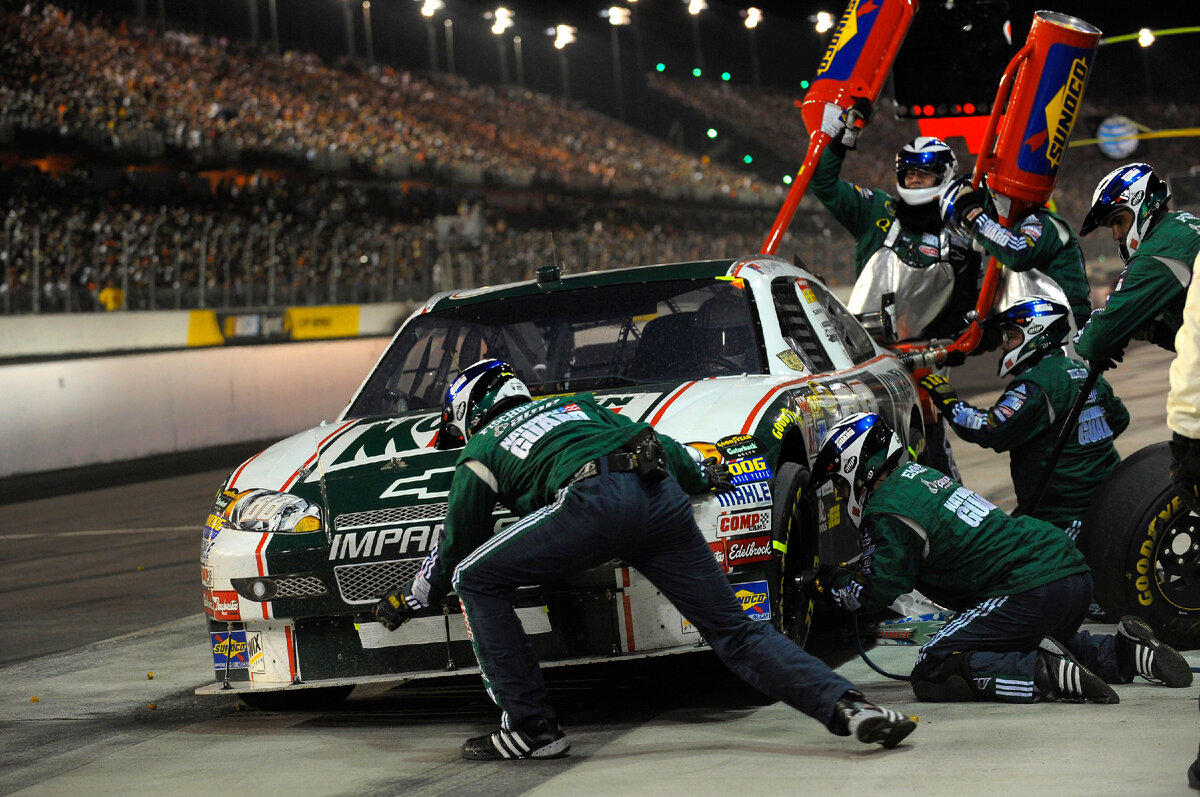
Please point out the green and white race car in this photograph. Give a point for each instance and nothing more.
(749, 359)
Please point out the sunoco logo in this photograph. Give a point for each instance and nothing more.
(847, 29)
(1062, 110)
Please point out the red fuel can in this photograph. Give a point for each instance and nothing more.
(1042, 90)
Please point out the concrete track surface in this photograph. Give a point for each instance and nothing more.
(102, 644)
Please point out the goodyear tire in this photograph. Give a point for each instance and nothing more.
(794, 526)
(1143, 546)
(315, 699)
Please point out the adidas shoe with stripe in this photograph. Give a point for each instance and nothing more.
(537, 738)
(1059, 676)
(1140, 653)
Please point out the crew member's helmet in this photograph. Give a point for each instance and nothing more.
(857, 449)
(926, 154)
(480, 393)
(1044, 325)
(1133, 187)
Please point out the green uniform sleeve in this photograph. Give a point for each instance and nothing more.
(849, 205)
(683, 467)
(1114, 409)
(1145, 288)
(1018, 416)
(888, 568)
(1033, 245)
(468, 524)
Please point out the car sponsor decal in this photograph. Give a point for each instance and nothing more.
(742, 522)
(754, 598)
(731, 552)
(749, 470)
(230, 650)
(222, 604)
(751, 494)
(792, 360)
(737, 446)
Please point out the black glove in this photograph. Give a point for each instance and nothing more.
(954, 358)
(940, 391)
(1185, 469)
(397, 607)
(1107, 362)
(717, 474)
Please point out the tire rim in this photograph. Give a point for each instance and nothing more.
(1177, 563)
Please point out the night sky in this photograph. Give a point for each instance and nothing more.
(788, 48)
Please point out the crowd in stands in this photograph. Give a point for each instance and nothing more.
(120, 88)
(608, 196)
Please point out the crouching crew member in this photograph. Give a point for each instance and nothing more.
(591, 486)
(1019, 585)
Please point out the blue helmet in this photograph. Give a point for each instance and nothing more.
(480, 393)
(1044, 324)
(926, 154)
(1133, 187)
(857, 449)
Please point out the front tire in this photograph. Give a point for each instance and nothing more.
(793, 518)
(1143, 546)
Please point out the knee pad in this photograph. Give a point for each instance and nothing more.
(945, 680)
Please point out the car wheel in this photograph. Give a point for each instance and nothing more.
(317, 698)
(793, 519)
(1143, 546)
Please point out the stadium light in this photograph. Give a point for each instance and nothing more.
(428, 9)
(694, 8)
(823, 21)
(753, 17)
(563, 35)
(502, 20)
(1145, 37)
(367, 31)
(617, 17)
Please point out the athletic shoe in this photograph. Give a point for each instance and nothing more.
(869, 723)
(538, 738)
(1139, 652)
(1057, 675)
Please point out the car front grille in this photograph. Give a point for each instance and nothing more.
(367, 583)
(299, 587)
(390, 516)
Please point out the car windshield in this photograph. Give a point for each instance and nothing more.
(576, 340)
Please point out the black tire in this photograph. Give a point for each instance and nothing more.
(315, 699)
(794, 524)
(1143, 546)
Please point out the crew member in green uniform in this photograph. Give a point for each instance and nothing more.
(1019, 586)
(1040, 240)
(591, 486)
(1025, 420)
(901, 246)
(1158, 246)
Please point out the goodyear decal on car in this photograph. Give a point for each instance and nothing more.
(736, 446)
(754, 599)
(749, 470)
(1059, 94)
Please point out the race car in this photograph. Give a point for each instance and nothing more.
(749, 360)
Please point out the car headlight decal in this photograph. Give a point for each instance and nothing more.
(272, 511)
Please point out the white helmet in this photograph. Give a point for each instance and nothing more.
(926, 154)
(1044, 324)
(856, 450)
(480, 393)
(1134, 187)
